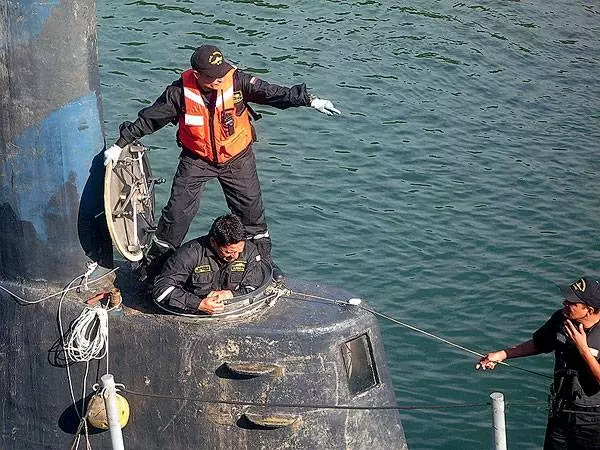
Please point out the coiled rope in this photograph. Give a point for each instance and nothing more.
(87, 339)
(272, 294)
(88, 335)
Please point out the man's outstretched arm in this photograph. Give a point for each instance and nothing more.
(489, 361)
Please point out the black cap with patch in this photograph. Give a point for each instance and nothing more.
(210, 62)
(585, 290)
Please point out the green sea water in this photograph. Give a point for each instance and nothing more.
(458, 187)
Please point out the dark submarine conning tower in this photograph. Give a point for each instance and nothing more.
(295, 370)
(289, 373)
(285, 373)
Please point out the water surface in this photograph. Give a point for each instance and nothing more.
(459, 185)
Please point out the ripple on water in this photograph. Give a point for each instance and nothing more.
(458, 186)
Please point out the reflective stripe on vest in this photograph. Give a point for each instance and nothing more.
(214, 144)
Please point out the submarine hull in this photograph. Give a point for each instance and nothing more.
(51, 212)
(298, 373)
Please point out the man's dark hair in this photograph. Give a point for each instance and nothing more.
(227, 229)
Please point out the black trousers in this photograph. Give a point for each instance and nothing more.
(568, 432)
(240, 184)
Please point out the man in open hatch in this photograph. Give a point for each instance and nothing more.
(210, 105)
(573, 334)
(207, 271)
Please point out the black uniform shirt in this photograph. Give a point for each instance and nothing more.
(195, 270)
(550, 337)
(247, 89)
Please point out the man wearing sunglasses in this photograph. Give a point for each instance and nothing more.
(573, 334)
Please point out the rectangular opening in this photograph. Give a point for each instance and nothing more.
(359, 364)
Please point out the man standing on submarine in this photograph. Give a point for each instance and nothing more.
(209, 102)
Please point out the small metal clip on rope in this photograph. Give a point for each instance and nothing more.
(91, 267)
(275, 292)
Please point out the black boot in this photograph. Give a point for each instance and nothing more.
(264, 249)
(153, 261)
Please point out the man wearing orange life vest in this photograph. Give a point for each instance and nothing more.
(210, 104)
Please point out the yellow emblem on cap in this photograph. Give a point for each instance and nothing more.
(202, 269)
(579, 285)
(216, 58)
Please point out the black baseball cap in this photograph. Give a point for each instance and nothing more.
(585, 290)
(210, 62)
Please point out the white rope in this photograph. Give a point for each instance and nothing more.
(272, 294)
(82, 426)
(62, 337)
(84, 280)
(88, 336)
(272, 297)
(410, 327)
(87, 339)
(356, 303)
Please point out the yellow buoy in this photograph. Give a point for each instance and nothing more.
(97, 412)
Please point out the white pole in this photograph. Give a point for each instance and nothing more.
(498, 421)
(112, 411)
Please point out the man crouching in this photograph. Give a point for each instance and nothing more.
(207, 271)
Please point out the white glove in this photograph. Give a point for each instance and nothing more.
(324, 106)
(111, 154)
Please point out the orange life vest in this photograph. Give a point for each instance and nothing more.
(221, 137)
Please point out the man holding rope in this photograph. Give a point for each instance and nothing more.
(573, 334)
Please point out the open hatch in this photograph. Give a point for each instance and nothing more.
(240, 305)
(129, 202)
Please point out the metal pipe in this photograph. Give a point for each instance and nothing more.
(112, 411)
(498, 421)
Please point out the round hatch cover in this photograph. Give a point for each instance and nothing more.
(129, 202)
